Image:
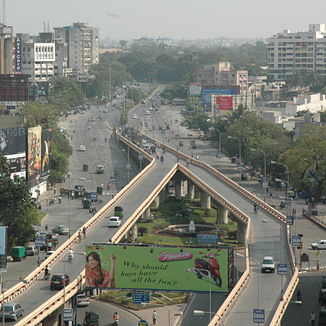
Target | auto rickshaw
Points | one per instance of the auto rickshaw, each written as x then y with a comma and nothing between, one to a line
91,318
85,167
180,143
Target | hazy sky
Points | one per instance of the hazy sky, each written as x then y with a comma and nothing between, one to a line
177,19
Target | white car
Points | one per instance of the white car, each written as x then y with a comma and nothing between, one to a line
82,300
147,112
82,148
31,251
114,221
268,265
134,116
320,244
48,253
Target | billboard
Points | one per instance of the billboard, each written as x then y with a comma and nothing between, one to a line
18,55
194,89
157,268
13,147
3,248
34,153
46,151
207,94
224,103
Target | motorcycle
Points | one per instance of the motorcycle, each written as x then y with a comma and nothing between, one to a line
47,275
212,266
116,320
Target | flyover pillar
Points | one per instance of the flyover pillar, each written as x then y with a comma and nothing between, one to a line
205,200
156,202
178,192
197,192
241,232
222,214
191,189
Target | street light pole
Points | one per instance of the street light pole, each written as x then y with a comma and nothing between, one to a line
72,181
265,167
240,160
209,276
287,172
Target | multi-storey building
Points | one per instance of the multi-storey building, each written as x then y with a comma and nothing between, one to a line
289,52
37,56
6,49
82,45
222,74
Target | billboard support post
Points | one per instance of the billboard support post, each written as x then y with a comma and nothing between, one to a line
210,285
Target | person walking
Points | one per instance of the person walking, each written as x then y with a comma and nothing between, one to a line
299,295
154,317
84,232
312,318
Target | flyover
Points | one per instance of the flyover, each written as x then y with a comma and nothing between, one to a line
143,189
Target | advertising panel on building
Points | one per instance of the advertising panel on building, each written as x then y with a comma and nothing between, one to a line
34,155
13,147
14,87
194,89
46,151
224,103
159,268
3,249
18,56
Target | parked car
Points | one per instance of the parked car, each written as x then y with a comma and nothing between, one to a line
114,221
12,310
82,300
60,229
134,116
59,281
320,244
82,148
31,251
268,265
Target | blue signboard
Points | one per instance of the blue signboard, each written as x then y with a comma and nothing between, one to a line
140,297
207,94
94,195
288,201
68,314
207,238
296,241
289,220
259,315
282,269
39,242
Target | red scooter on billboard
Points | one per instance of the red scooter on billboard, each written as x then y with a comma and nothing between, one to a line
211,265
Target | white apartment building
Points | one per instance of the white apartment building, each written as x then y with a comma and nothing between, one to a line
37,58
291,52
222,74
82,45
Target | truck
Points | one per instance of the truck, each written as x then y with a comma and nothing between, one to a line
18,253
100,169
118,211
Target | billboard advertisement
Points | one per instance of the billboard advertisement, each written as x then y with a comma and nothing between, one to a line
159,268
46,151
207,94
34,155
18,55
224,103
13,147
3,249
194,89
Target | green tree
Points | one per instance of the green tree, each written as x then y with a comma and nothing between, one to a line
17,208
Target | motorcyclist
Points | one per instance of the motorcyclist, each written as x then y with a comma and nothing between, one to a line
70,254
116,317
47,271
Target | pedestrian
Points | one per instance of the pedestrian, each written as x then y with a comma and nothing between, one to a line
59,199
79,235
317,265
299,295
84,232
312,318
270,195
154,317
38,261
46,227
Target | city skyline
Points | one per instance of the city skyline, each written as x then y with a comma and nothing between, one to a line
184,19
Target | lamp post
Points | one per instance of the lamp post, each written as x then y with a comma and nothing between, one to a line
72,181
209,276
240,255
201,313
240,161
281,231
265,167
3,296
287,172
219,148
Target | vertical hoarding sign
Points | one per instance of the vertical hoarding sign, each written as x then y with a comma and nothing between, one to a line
13,147
34,153
46,151
18,58
160,268
3,248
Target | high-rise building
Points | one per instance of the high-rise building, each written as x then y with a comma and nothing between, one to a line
82,45
289,52
6,49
